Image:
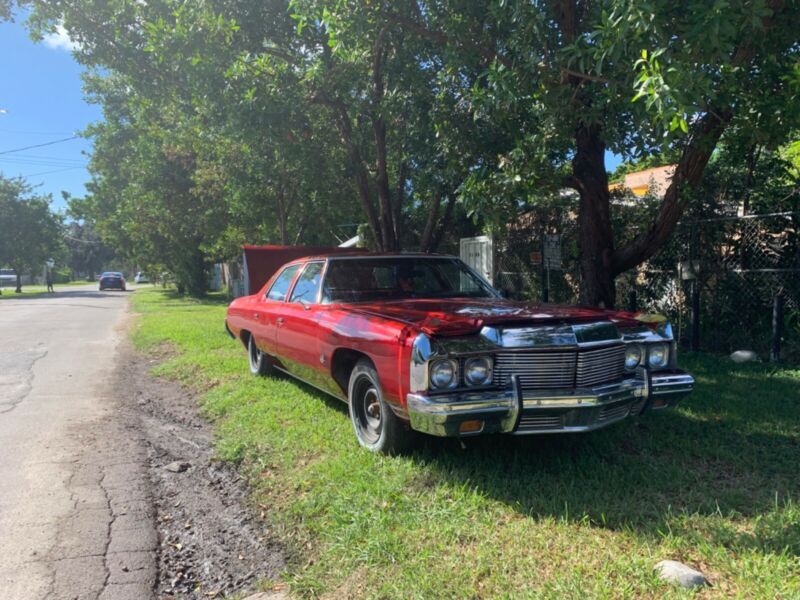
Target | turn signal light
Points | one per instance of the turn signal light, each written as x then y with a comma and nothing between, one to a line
470,426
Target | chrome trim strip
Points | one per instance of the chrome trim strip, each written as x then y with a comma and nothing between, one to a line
307,382
671,384
421,353
578,335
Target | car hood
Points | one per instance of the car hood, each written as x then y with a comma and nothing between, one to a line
460,316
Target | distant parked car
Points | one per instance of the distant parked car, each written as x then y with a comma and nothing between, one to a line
8,277
112,280
141,278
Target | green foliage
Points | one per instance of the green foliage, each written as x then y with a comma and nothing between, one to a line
306,118
29,233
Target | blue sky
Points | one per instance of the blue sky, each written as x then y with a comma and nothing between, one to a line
40,90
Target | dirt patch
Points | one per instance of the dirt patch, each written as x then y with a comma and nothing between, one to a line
210,543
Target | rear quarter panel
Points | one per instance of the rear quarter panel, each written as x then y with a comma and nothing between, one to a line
238,315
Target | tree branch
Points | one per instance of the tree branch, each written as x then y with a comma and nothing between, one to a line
385,213
356,162
444,39
705,135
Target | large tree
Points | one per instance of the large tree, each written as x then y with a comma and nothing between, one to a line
579,78
31,233
408,105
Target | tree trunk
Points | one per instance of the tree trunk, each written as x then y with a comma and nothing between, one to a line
595,236
282,214
357,165
19,282
444,221
430,224
694,158
385,212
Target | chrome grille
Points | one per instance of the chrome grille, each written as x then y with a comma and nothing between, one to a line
600,366
558,370
614,413
537,370
537,422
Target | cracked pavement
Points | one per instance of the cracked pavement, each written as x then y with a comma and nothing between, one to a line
76,509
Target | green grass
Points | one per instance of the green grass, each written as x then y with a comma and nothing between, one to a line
39,290
715,484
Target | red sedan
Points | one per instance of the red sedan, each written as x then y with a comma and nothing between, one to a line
422,343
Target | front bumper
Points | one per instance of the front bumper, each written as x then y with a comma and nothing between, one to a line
569,411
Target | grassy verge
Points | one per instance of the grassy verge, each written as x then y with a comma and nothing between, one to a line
714,484
39,290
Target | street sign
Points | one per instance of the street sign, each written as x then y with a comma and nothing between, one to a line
536,258
552,252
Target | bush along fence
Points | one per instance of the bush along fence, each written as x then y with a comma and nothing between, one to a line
726,283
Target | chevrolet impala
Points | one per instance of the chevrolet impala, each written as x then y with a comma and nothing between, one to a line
422,343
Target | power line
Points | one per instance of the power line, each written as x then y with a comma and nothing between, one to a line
44,163
18,132
49,172
74,239
43,157
74,137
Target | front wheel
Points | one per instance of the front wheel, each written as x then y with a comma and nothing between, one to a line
377,428
259,362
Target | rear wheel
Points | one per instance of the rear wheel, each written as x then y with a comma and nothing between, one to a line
259,362
377,428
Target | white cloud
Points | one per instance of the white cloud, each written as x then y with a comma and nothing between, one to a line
60,40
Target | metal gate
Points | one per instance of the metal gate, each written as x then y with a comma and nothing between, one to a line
478,253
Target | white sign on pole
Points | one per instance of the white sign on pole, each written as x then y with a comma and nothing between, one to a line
552,252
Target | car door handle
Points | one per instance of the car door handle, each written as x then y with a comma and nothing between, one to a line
279,321
256,315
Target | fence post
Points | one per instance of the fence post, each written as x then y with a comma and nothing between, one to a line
777,327
545,279
633,305
695,342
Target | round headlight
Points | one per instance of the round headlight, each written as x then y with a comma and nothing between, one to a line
633,356
478,371
657,355
444,373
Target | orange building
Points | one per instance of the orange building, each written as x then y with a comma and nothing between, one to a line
656,180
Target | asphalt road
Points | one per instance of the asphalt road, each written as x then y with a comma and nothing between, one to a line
76,513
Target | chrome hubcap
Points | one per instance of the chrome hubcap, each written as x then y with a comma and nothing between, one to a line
367,411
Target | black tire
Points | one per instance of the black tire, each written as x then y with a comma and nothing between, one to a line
258,361
376,426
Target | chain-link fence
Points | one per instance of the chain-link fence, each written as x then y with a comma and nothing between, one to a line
726,283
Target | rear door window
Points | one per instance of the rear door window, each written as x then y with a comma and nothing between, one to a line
280,287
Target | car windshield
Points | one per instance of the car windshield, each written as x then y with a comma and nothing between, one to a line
111,274
398,278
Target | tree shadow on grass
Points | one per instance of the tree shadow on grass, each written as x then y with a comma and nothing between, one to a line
733,448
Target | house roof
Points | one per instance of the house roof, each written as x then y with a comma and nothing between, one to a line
655,179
